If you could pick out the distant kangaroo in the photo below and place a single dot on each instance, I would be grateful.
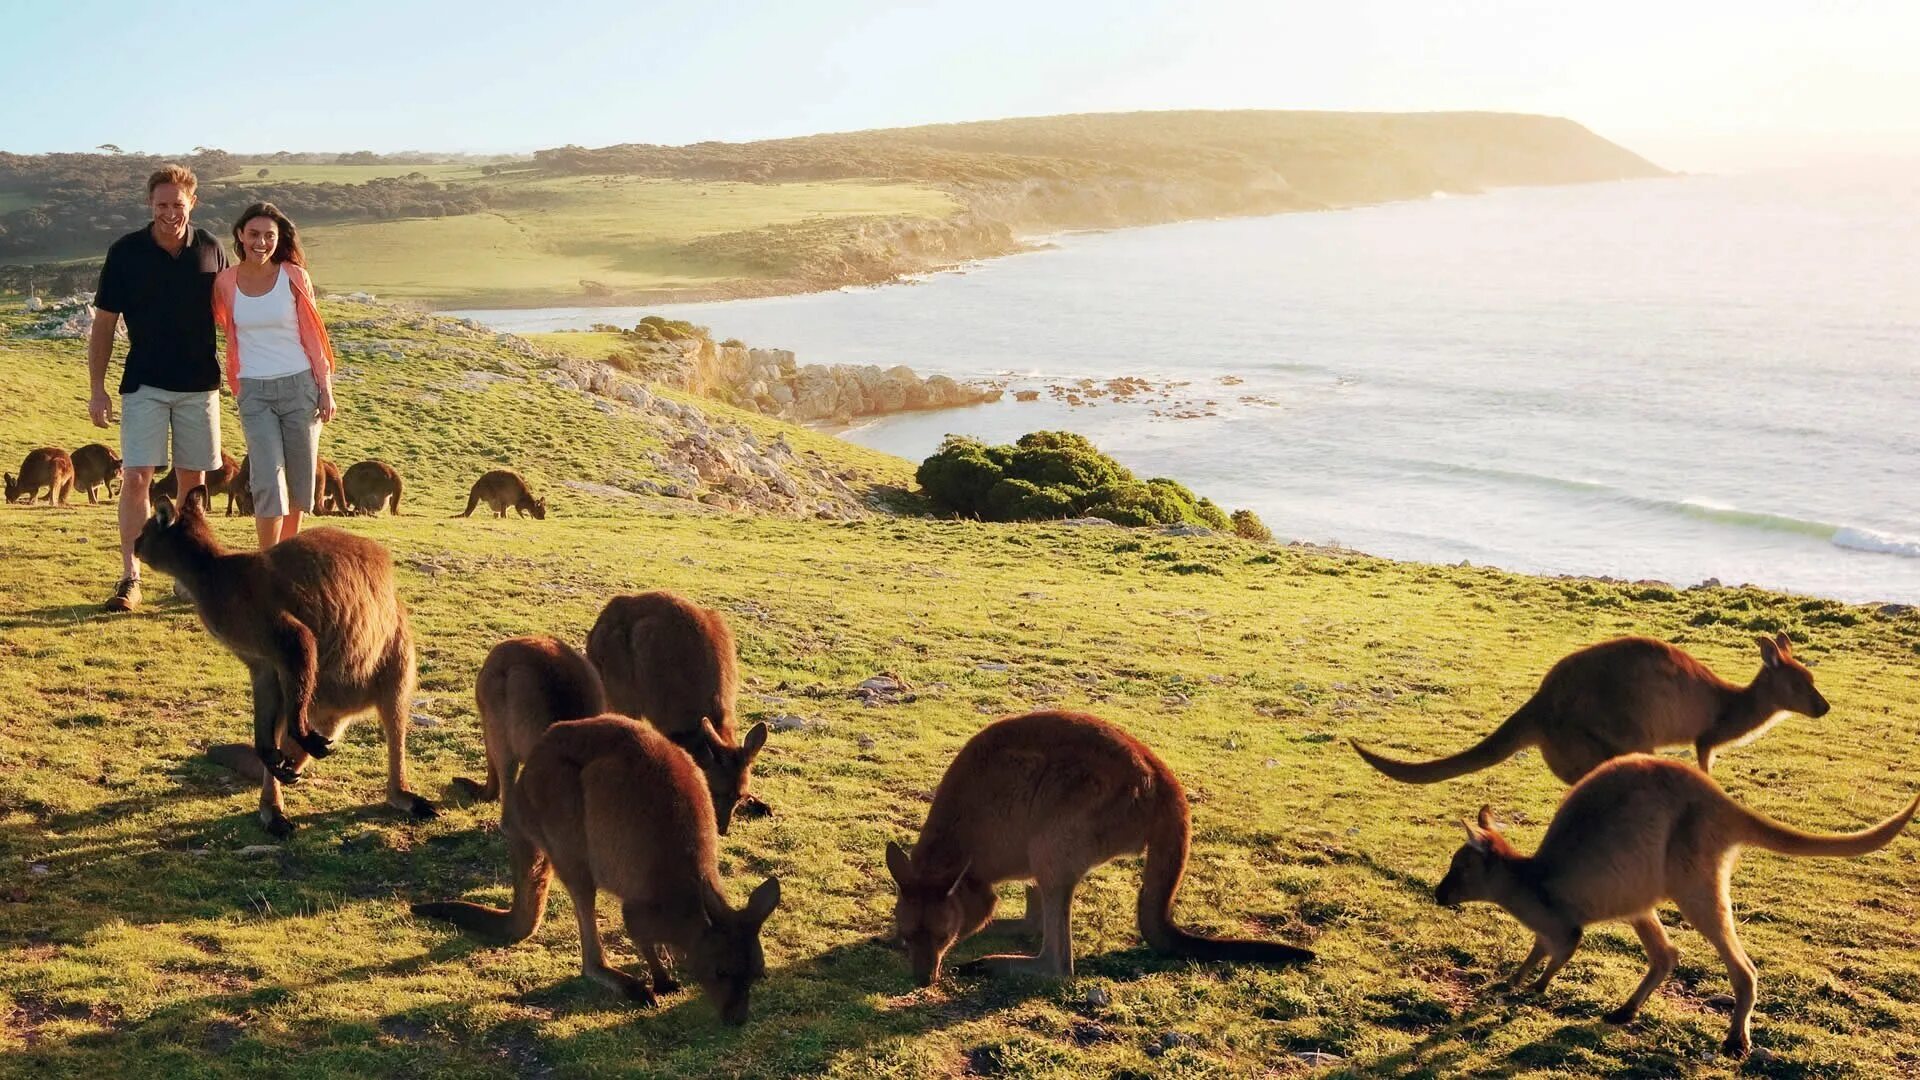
(526, 685)
(318, 624)
(1045, 798)
(1636, 831)
(217, 481)
(608, 803)
(503, 490)
(672, 663)
(94, 466)
(1626, 696)
(371, 485)
(48, 467)
(328, 497)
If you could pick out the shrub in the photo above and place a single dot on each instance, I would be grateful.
(1248, 526)
(1013, 499)
(1048, 475)
(1134, 503)
(1085, 469)
(958, 476)
(1212, 516)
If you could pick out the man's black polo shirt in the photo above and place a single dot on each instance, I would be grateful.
(167, 301)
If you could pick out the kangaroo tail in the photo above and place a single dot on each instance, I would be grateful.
(473, 500)
(1507, 740)
(1762, 831)
(393, 507)
(1167, 844)
(531, 875)
(240, 757)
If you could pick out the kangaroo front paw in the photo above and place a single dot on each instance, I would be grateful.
(277, 824)
(1621, 1016)
(314, 743)
(1736, 1046)
(422, 809)
(281, 766)
(665, 984)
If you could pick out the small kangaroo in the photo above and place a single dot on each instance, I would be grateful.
(216, 481)
(608, 803)
(48, 467)
(94, 466)
(1638, 830)
(1046, 797)
(672, 663)
(1627, 696)
(328, 498)
(318, 624)
(371, 485)
(503, 490)
(526, 685)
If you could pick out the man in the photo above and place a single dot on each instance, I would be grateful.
(160, 280)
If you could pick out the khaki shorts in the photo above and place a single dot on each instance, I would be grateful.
(191, 417)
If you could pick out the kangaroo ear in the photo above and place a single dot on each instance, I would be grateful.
(1476, 839)
(1486, 818)
(763, 901)
(196, 498)
(959, 877)
(1769, 651)
(756, 738)
(712, 733)
(1784, 643)
(714, 904)
(899, 864)
(163, 512)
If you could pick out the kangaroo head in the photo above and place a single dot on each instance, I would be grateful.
(928, 916)
(727, 767)
(13, 487)
(1786, 682)
(539, 510)
(1479, 868)
(725, 959)
(173, 535)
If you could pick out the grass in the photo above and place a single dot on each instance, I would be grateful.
(349, 174)
(545, 237)
(139, 939)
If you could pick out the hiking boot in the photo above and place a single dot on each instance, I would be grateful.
(126, 595)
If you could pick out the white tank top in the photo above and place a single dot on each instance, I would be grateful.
(269, 332)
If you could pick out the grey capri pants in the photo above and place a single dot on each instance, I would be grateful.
(280, 417)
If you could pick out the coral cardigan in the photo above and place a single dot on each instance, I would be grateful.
(313, 332)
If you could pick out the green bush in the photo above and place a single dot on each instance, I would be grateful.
(1248, 526)
(958, 476)
(1013, 499)
(1212, 516)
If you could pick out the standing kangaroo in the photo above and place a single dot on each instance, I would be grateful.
(1045, 798)
(318, 624)
(1636, 831)
(94, 466)
(371, 485)
(608, 803)
(503, 490)
(672, 663)
(1627, 696)
(48, 467)
(526, 685)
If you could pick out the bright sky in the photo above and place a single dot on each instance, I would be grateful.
(1693, 84)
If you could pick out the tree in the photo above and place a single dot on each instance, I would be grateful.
(262, 173)
(110, 148)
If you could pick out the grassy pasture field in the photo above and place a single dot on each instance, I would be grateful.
(348, 174)
(138, 938)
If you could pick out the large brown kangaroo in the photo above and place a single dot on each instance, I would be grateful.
(318, 624)
(526, 685)
(672, 663)
(48, 467)
(1045, 798)
(1627, 696)
(608, 803)
(503, 490)
(329, 498)
(95, 466)
(1638, 830)
(370, 486)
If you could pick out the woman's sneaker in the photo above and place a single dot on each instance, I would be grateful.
(126, 595)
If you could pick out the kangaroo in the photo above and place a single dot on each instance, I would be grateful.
(608, 803)
(318, 624)
(1045, 798)
(48, 467)
(240, 492)
(672, 663)
(94, 466)
(1638, 830)
(371, 485)
(504, 490)
(526, 685)
(217, 481)
(328, 498)
(1626, 696)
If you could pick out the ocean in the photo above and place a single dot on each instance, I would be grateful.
(1679, 379)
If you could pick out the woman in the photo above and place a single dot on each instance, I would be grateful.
(279, 365)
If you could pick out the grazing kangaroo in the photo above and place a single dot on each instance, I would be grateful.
(328, 498)
(672, 663)
(48, 467)
(1045, 798)
(318, 624)
(503, 490)
(371, 485)
(1636, 831)
(94, 466)
(216, 481)
(526, 685)
(1626, 696)
(608, 803)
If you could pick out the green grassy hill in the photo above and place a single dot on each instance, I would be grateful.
(137, 936)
